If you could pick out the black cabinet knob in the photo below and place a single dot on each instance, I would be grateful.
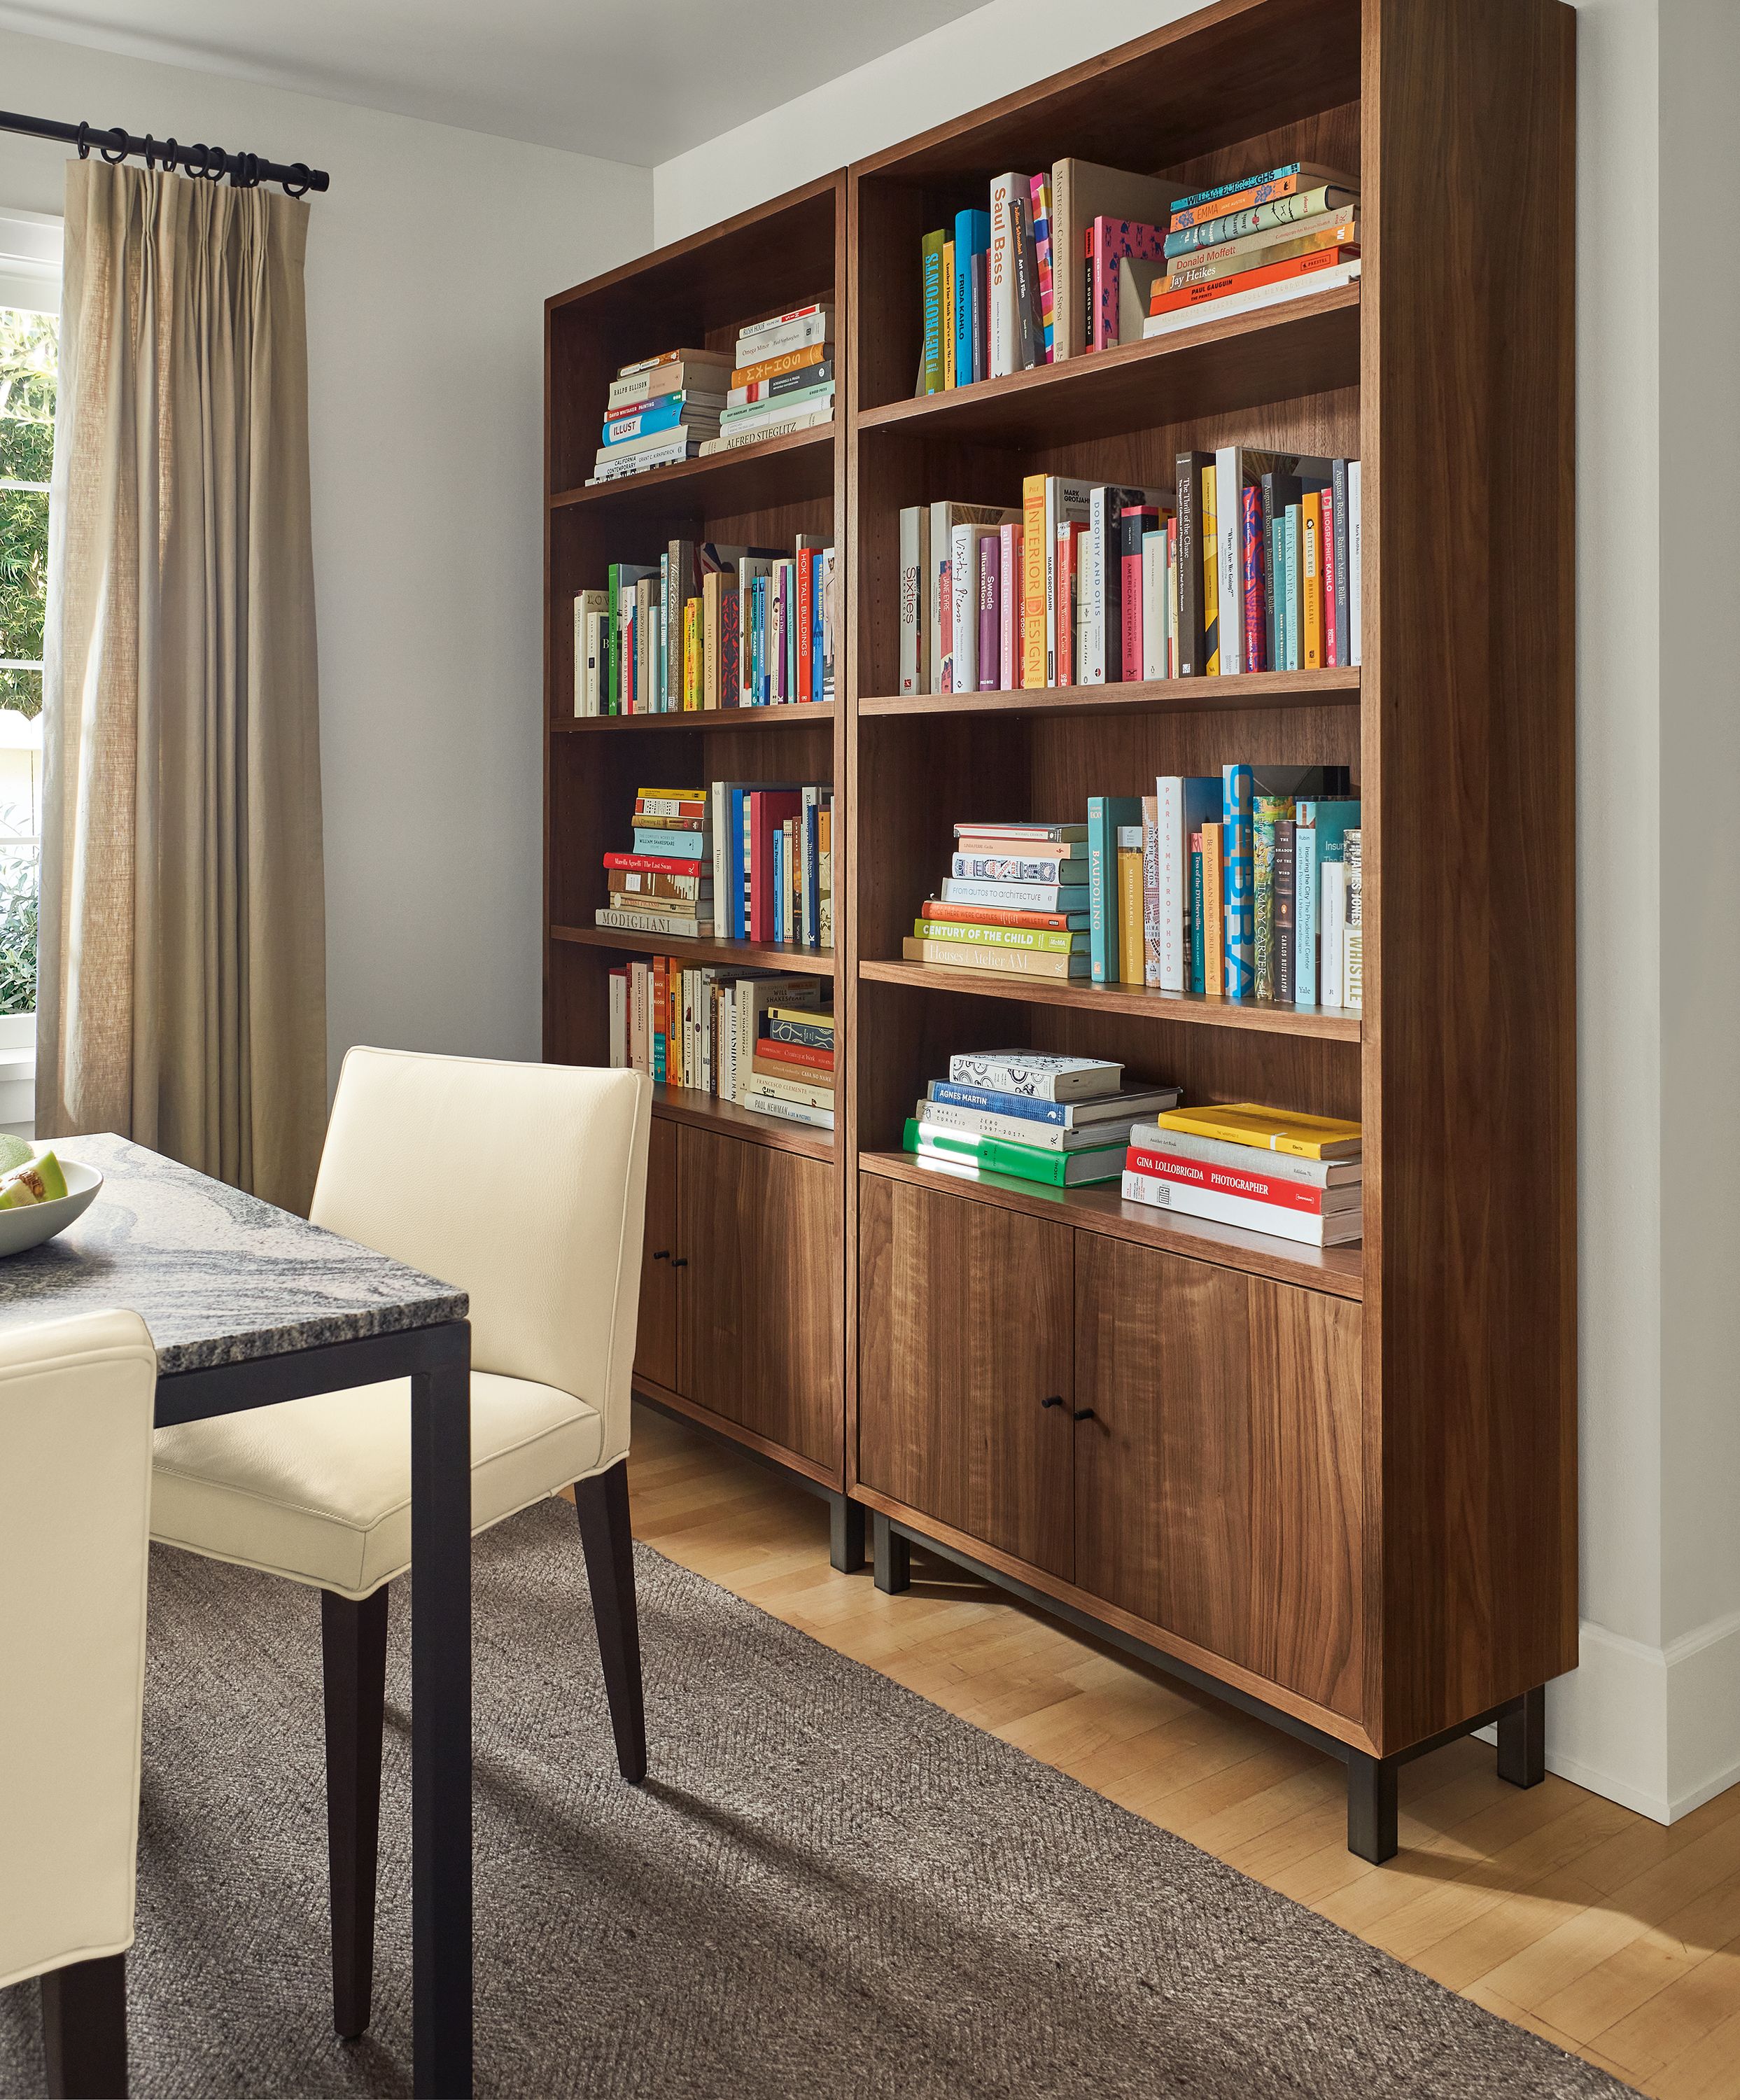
(1085, 1414)
(680, 1261)
(663, 1255)
(1054, 1399)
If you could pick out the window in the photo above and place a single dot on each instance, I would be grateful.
(29, 339)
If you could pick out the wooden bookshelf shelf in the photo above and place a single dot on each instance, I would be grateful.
(744, 954)
(1262, 689)
(1101, 1209)
(1309, 346)
(1327, 1023)
(786, 469)
(706, 718)
(688, 1105)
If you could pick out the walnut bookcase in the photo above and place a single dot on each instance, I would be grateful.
(1339, 1487)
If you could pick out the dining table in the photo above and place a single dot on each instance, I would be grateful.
(249, 1306)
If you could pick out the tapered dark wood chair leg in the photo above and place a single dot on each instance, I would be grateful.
(1522, 1740)
(893, 1554)
(1371, 1807)
(85, 2029)
(845, 1534)
(601, 1503)
(352, 1651)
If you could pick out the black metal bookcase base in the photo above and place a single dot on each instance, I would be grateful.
(1371, 1788)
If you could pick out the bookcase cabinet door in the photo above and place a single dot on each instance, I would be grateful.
(1219, 1477)
(757, 1298)
(656, 1337)
(965, 1316)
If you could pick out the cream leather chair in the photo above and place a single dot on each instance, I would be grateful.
(526, 1186)
(76, 1399)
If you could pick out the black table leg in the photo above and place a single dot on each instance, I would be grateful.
(441, 1717)
(85, 2029)
(1522, 1740)
(1371, 1807)
(845, 1534)
(892, 1556)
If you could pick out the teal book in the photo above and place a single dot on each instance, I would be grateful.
(972, 236)
(1306, 913)
(1332, 822)
(1198, 962)
(1027, 1163)
(1239, 899)
(1105, 814)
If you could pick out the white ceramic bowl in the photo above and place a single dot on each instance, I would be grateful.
(37, 1222)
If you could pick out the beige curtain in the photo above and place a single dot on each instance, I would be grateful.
(182, 973)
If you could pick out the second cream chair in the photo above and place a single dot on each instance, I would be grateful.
(524, 1185)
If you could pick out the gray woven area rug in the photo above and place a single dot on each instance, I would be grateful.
(829, 1887)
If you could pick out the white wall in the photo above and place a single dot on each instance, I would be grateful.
(428, 262)
(1653, 1716)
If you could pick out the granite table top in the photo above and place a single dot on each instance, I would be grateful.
(218, 1277)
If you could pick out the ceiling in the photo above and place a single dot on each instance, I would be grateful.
(629, 79)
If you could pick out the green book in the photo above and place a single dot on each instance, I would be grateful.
(1001, 937)
(1028, 1162)
(1267, 812)
(622, 577)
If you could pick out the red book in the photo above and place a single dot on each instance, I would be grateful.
(769, 809)
(995, 915)
(1255, 1187)
(1135, 522)
(653, 864)
(795, 1053)
(1247, 280)
(1332, 641)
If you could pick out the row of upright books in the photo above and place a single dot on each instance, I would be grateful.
(1070, 1123)
(708, 626)
(1249, 885)
(1251, 563)
(1079, 257)
(761, 1040)
(683, 405)
(739, 860)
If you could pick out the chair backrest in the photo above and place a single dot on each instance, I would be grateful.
(523, 1184)
(76, 1399)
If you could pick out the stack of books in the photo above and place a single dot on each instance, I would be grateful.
(1015, 899)
(1250, 561)
(709, 1029)
(659, 411)
(663, 884)
(709, 626)
(773, 861)
(1297, 1177)
(1063, 1120)
(1246, 884)
(781, 379)
(1256, 241)
(1060, 264)
(792, 1073)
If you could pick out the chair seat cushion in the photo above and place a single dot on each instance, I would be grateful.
(319, 1489)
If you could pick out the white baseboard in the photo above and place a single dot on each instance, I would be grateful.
(1657, 1730)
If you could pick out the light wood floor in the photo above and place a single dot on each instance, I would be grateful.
(1611, 1936)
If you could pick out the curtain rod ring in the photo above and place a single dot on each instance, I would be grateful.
(118, 133)
(83, 141)
(305, 177)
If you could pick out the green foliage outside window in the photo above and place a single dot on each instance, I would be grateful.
(28, 353)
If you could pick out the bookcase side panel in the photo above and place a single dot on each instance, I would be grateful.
(1470, 1041)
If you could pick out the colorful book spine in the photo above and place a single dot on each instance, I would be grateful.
(1238, 904)
(990, 550)
(1208, 561)
(1311, 581)
(1198, 909)
(1255, 606)
(1131, 946)
(1286, 917)
(1041, 196)
(931, 263)
(1107, 814)
(1213, 911)
(1307, 899)
(1267, 812)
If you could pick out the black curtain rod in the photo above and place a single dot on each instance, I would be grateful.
(245, 171)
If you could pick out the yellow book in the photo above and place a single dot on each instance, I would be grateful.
(948, 316)
(1013, 962)
(1208, 546)
(712, 586)
(1214, 913)
(1032, 579)
(692, 656)
(1131, 946)
(1268, 1130)
(1311, 579)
